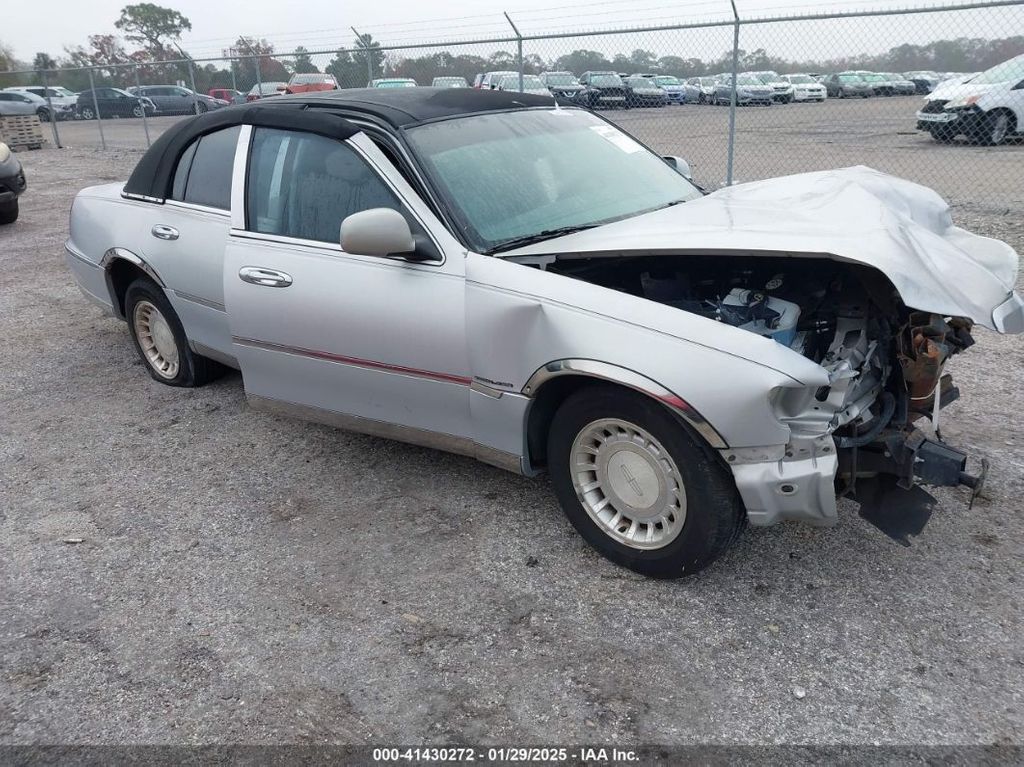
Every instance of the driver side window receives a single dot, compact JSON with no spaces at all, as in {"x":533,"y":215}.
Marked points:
{"x":303,"y":185}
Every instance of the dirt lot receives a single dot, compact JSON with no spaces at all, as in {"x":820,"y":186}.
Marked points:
{"x":243,"y":578}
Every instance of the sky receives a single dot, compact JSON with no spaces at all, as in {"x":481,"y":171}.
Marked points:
{"x":50,"y":25}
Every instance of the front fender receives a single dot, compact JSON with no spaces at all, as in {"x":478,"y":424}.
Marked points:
{"x":520,"y":320}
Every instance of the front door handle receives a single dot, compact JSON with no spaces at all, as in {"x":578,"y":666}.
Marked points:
{"x":164,"y":232}
{"x":269,"y":278}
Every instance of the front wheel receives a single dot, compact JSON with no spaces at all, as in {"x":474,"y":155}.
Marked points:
{"x":638,"y":487}
{"x":87,"y":113}
{"x":994,"y":129}
{"x":160,"y":341}
{"x":44,"y":114}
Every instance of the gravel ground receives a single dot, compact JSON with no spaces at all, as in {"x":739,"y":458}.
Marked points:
{"x":244,"y":578}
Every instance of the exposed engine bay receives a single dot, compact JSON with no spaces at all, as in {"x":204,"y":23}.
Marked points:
{"x":885,"y":362}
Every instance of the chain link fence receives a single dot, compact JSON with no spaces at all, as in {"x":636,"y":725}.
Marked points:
{"x":745,"y":97}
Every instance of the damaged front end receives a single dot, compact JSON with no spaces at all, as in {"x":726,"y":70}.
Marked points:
{"x":879,"y":413}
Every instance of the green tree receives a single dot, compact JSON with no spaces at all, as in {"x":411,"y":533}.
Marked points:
{"x":367,"y":47}
{"x":580,"y":61}
{"x":154,"y":27}
{"x":44,"y":61}
{"x":303,"y":64}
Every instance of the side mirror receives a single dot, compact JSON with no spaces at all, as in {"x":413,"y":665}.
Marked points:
{"x":680,"y":165}
{"x":384,"y":232}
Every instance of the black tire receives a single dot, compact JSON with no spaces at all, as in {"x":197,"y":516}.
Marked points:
{"x":201,"y":108}
{"x":714,"y":515}
{"x":43,"y":114}
{"x":193,"y":369}
{"x":9,"y":212}
{"x":994,"y":129}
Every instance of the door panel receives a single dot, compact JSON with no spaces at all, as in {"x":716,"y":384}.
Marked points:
{"x":376,"y":338}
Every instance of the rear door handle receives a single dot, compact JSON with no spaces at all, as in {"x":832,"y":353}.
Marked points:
{"x":269,"y":278}
{"x":164,"y":232}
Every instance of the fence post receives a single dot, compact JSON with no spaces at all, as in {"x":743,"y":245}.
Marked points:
{"x":96,"y":106}
{"x":732,"y":99}
{"x":192,"y":79}
{"x":259,"y":83}
{"x":49,"y":106}
{"x":369,"y":59}
{"x":234,"y":85}
{"x":519,"y":48}
{"x":138,"y":89}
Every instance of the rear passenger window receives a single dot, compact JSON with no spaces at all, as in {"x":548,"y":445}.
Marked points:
{"x":203,"y":175}
{"x":302,"y":185}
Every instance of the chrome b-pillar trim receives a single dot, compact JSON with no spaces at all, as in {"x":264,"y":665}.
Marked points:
{"x":606,"y":371}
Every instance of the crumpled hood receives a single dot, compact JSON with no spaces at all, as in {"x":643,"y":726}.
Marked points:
{"x":854,"y":214}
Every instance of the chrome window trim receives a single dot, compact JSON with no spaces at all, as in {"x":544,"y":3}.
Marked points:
{"x":191,"y":206}
{"x":142,"y":197}
{"x":238,"y":179}
{"x":614,"y":373}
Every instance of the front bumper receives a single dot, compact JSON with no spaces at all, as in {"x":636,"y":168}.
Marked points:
{"x":12,"y":180}
{"x":951,"y":121}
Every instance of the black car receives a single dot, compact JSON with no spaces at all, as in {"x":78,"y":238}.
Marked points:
{"x":601,"y":89}
{"x":561,"y":84}
{"x":12,"y":184}
{"x":112,"y":102}
{"x":644,"y":92}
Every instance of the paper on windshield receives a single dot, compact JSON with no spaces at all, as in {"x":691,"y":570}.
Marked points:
{"x":612,"y":136}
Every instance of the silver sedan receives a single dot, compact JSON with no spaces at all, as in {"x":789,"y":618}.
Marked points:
{"x":492,"y":274}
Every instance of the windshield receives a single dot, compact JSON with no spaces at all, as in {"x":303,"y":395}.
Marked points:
{"x":666,"y":80}
{"x":451,"y":82}
{"x":874,"y":78}
{"x":850,"y":78}
{"x":606,"y":81}
{"x":509,"y":175}
{"x":530,"y":82}
{"x":800,"y":79}
{"x":1008,"y":71}
{"x":395,"y":84}
{"x":561,"y":79}
{"x":640,"y":83}
{"x":745,"y":80}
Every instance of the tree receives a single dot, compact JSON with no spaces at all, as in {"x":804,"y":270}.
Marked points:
{"x":43,"y":61}
{"x":367,"y":47}
{"x":582,"y":61}
{"x":303,"y":63}
{"x":7,"y":63}
{"x":152,"y":25}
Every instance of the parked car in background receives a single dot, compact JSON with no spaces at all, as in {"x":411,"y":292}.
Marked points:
{"x":644,"y":92}
{"x":987,"y":109}
{"x":532,"y":84}
{"x":16,"y":104}
{"x":392,"y":82}
{"x":60,"y":99}
{"x":449,"y":82}
{"x":489,"y":80}
{"x":175,"y":100}
{"x":924,"y":81}
{"x":227,"y":94}
{"x":682,"y":365}
{"x":673,"y":86}
{"x":898,"y":84}
{"x":308,"y":82}
{"x":265,"y":90}
{"x":700,"y":90}
{"x":880,"y":85}
{"x":843,"y":85}
{"x":782,"y":91}
{"x":806,"y":88}
{"x":562,"y":84}
{"x":113,"y":102}
{"x":749,"y":90}
{"x":601,"y":89}
{"x":12,"y":184}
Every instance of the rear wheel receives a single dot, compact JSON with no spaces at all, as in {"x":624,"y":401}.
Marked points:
{"x":9,"y":212}
{"x":87,"y":113}
{"x":160,"y":341}
{"x":638,"y":487}
{"x":44,"y":114}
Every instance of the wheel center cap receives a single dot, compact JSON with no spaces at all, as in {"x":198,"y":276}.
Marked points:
{"x":162,"y":336}
{"x":633,"y":479}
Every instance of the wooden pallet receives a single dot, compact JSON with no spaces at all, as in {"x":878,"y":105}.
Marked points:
{"x":19,"y":131}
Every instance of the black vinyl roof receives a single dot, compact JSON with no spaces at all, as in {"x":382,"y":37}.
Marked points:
{"x":319,"y":112}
